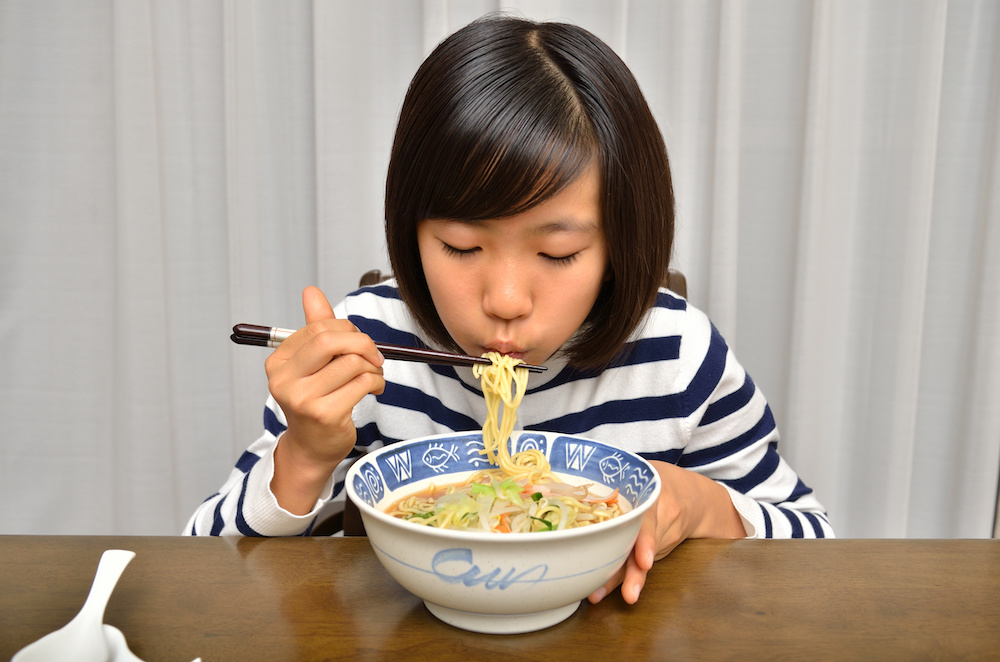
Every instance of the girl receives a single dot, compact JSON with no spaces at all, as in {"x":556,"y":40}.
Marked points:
{"x":529,"y":211}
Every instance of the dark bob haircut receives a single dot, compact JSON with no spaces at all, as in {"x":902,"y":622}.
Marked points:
{"x":503,"y":115}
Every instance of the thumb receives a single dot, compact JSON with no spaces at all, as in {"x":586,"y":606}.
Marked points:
{"x":315,"y":305}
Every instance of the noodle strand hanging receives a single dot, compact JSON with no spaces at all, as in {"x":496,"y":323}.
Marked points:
{"x":522,"y":494}
{"x":503,"y":386}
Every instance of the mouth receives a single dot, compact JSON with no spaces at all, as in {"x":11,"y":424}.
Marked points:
{"x":506,"y":348}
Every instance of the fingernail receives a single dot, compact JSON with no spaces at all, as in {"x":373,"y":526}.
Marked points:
{"x":598,"y":595}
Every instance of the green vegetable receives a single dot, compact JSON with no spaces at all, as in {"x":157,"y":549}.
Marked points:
{"x":455,"y":507}
{"x":549,"y":526}
{"x":511,"y":490}
{"x":480,"y":488}
{"x":536,"y":496}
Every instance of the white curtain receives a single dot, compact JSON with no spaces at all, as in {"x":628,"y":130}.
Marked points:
{"x":169,"y":168}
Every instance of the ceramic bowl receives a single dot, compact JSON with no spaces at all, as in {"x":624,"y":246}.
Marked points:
{"x":499,"y":582}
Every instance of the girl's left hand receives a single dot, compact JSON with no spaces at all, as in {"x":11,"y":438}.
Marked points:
{"x":690,"y":506}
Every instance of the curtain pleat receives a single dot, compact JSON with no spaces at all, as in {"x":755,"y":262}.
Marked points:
{"x":824,"y":254}
{"x":723,"y":280}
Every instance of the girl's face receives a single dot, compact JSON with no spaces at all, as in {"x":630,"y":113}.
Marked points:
{"x":520,"y":285}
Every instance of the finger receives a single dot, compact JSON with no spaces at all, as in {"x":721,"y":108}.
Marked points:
{"x":644,"y":550}
{"x":635,"y":579}
{"x":640,"y":563}
{"x":317,"y":308}
{"x":315,"y":305}
{"x":328,"y":402}
{"x":608,"y":586}
{"x":632,"y":576}
{"x":353,"y":371}
{"x":332,"y":352}
{"x":645,"y":547}
{"x":326,"y":397}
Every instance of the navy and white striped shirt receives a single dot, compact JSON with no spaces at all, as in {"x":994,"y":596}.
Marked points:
{"x":680,"y":396}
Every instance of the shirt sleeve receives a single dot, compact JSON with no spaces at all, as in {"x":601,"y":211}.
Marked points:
{"x":245,"y":505}
{"x":733,"y":439}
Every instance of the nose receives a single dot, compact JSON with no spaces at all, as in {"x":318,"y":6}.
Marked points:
{"x":507,"y":292}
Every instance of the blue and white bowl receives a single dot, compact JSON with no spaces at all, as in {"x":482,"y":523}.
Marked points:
{"x":508,"y":582}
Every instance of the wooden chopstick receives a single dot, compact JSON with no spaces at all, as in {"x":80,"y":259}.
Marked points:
{"x":269,"y":336}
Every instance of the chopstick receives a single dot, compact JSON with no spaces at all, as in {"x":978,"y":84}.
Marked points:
{"x":269,"y":336}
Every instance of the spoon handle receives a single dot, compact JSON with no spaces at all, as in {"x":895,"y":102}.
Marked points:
{"x":109,"y":570}
{"x":83,"y":637}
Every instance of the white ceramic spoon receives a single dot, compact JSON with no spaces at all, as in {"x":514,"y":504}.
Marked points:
{"x":83,"y":639}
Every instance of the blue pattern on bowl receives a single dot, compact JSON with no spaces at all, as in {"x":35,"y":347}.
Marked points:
{"x":449,"y":454}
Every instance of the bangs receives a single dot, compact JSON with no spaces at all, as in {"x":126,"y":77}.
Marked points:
{"x":508,"y":172}
{"x":508,"y":138}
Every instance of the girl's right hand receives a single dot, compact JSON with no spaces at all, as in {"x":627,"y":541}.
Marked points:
{"x":317,"y":376}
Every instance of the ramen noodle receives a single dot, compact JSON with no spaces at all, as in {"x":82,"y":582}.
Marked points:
{"x":520,"y":495}
{"x":503,"y":385}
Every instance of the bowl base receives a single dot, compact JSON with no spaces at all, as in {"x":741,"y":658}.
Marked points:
{"x":502,"y":623}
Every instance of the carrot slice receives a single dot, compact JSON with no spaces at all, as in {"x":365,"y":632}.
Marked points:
{"x":610,"y":499}
{"x":504,"y":525}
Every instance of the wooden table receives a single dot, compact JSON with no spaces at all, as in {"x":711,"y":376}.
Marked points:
{"x":328,"y":598}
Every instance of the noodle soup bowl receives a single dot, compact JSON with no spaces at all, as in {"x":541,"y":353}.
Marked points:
{"x":500,"y":582}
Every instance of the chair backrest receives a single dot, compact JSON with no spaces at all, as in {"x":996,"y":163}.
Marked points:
{"x":676,"y":282}
{"x":373,"y":277}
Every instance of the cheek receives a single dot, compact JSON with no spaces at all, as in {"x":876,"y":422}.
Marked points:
{"x":575,"y":302}
{"x":441,"y":293}
{"x":574,"y":308}
{"x":449,"y":292}
{"x":431,"y":265}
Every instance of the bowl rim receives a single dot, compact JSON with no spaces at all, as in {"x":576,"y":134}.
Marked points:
{"x":502,"y":538}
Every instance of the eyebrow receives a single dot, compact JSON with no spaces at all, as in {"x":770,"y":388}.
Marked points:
{"x":567,"y":225}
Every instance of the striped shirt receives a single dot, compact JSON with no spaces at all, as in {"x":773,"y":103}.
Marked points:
{"x":678,"y":396}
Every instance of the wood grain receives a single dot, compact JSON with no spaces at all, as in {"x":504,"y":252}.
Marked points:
{"x":328,"y":598}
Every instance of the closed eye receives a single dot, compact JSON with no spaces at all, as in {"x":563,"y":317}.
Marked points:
{"x":459,"y":252}
{"x":561,"y":261}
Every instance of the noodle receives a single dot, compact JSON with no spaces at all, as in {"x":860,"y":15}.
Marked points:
{"x":502,"y":383}
{"x":522,"y":494}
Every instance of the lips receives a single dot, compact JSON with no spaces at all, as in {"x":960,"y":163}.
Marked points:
{"x":506,"y":348}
